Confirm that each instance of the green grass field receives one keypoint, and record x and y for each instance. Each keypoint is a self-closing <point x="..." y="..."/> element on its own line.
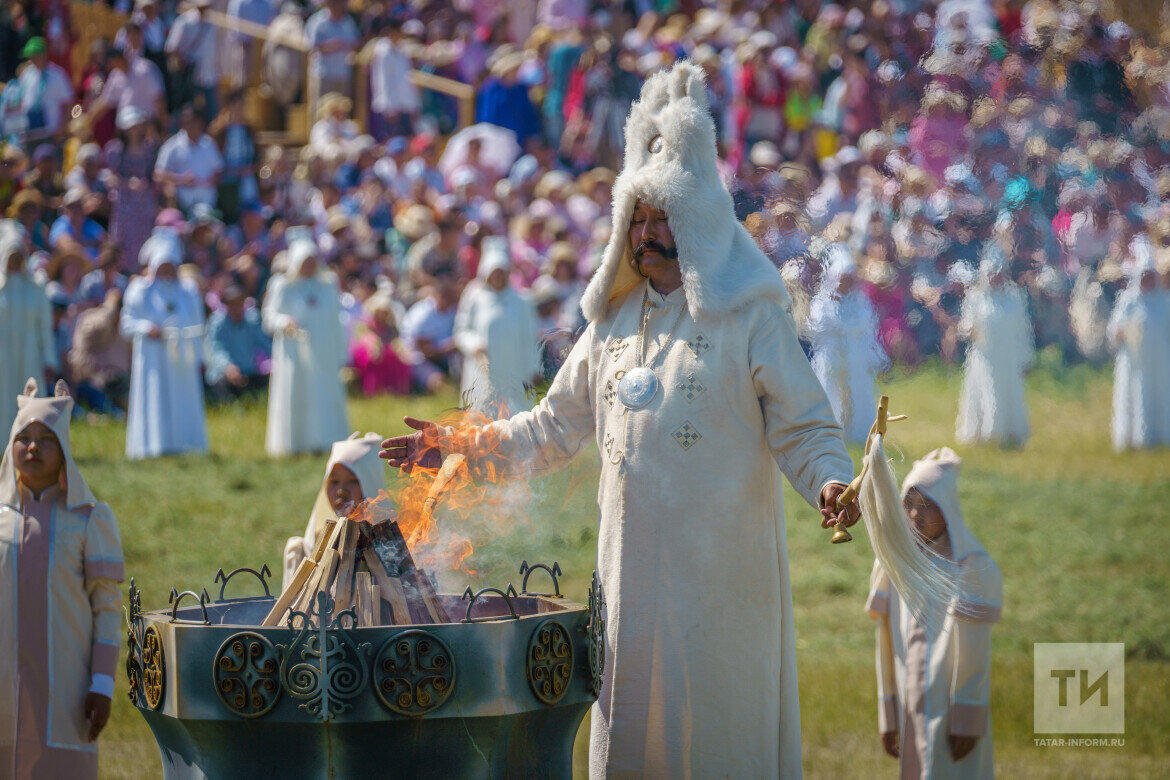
<point x="1079" y="532"/>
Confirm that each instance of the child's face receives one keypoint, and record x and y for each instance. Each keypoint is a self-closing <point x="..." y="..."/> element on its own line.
<point x="343" y="489"/>
<point x="38" y="456"/>
<point x="924" y="515"/>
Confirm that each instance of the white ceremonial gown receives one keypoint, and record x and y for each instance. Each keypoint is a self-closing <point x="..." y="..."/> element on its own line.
<point x="1139" y="330"/>
<point x="992" y="406"/>
<point x="166" y="414"/>
<point x="691" y="549"/>
<point x="935" y="683"/>
<point x="846" y="357"/>
<point x="496" y="332"/>
<point x="306" y="399"/>
<point x="26" y="337"/>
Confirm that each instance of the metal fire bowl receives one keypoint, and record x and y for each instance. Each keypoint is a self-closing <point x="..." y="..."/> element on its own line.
<point x="501" y="694"/>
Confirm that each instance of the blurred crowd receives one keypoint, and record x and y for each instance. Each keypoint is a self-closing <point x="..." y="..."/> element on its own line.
<point x="921" y="137"/>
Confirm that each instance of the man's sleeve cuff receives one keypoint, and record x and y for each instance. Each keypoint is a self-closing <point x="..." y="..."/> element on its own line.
<point x="102" y="684"/>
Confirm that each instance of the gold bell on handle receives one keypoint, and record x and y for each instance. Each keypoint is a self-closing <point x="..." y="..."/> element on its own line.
<point x="849" y="494"/>
<point x="842" y="534"/>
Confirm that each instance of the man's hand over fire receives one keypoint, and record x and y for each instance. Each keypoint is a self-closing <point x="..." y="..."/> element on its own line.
<point x="406" y="452"/>
<point x="829" y="511"/>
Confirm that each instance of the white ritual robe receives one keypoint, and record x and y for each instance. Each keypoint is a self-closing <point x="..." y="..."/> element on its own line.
<point x="26" y="339"/>
<point x="306" y="399"/>
<point x="991" y="405"/>
<point x="932" y="684"/>
<point x="691" y="547"/>
<point x="1139" y="330"/>
<point x="846" y="357"/>
<point x="166" y="414"/>
<point x="496" y="332"/>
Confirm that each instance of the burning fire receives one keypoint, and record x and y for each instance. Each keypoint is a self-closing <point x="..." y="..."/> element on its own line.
<point x="460" y="493"/>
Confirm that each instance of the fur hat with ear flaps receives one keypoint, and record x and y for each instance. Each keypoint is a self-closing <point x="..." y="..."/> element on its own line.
<point x="671" y="165"/>
<point x="54" y="412"/>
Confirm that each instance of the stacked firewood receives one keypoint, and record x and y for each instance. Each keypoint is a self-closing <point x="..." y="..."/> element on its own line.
<point x="365" y="567"/>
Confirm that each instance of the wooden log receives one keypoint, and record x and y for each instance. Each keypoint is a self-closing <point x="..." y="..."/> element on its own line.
<point x="374" y="599"/>
<point x="430" y="597"/>
<point x="390" y="587"/>
<point x="323" y="540"/>
<point x="364" y="610"/>
<point x="299" y="578"/>
<point x="343" y="584"/>
<point x="304" y="601"/>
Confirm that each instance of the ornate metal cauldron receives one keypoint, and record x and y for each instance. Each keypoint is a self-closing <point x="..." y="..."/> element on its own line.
<point x="501" y="693"/>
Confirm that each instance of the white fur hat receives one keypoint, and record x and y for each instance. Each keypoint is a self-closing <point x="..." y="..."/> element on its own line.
<point x="671" y="164"/>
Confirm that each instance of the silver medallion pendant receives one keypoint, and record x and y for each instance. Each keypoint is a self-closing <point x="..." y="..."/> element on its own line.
<point x="637" y="387"/>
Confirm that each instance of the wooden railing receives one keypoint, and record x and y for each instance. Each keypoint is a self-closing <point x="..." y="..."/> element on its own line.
<point x="92" y="21"/>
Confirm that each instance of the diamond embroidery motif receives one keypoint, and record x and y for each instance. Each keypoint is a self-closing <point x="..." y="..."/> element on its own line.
<point x="691" y="388"/>
<point x="616" y="348"/>
<point x="699" y="344"/>
<point x="609" y="444"/>
<point x="687" y="435"/>
<point x="610" y="393"/>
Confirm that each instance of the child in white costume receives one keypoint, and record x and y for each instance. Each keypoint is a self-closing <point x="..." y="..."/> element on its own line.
<point x="995" y="323"/>
<point x="352" y="474"/>
<point x="934" y="671"/>
<point x="843" y="329"/>
<point x="1139" y="332"/>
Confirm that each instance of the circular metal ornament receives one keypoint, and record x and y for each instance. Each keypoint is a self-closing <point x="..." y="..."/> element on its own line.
<point x="656" y="144"/>
<point x="637" y="387"/>
<point x="550" y="662"/>
<point x="154" y="668"/>
<point x="414" y="673"/>
<point x="246" y="672"/>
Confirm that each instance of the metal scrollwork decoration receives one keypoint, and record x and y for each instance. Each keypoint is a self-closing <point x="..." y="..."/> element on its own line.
<point x="550" y="662"/>
<point x="507" y="595"/>
<point x="134" y="640"/>
<point x="596" y="630"/>
<point x="246" y="672"/>
<point x="154" y="668"/>
<point x="324" y="666"/>
<point x="554" y="572"/>
<point x="263" y="575"/>
<point x="414" y="673"/>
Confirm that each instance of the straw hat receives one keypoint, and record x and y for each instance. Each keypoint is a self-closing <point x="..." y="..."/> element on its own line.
<point x="24" y="198"/>
<point x="333" y="101"/>
<point x="70" y="252"/>
<point x="415" y="222"/>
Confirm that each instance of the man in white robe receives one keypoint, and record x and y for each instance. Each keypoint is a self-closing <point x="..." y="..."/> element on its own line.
<point x="847" y="355"/>
<point x="691" y="547"/>
<point x="306" y="399"/>
<point x="994" y="321"/>
<point x="163" y="317"/>
<point x="934" y="671"/>
<point x="495" y="329"/>
<point x="1139" y="332"/>
<point x="26" y="322"/>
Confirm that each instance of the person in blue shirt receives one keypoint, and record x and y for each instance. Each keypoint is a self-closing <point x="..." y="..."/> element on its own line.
<point x="75" y="225"/>
<point x="238" y="350"/>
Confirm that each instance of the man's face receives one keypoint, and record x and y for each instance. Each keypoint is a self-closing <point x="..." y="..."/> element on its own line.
<point x="193" y="124"/>
<point x="38" y="456"/>
<point x="343" y="489"/>
<point x="924" y="514"/>
<point x="650" y="239"/>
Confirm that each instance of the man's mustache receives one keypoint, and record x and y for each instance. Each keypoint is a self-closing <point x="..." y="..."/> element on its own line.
<point x="647" y="246"/>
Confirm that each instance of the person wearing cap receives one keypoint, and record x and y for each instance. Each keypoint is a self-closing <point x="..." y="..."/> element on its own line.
<point x="75" y="225"/>
<point x="1139" y="332"/>
<point x="332" y="36"/>
<point x="934" y="671"/>
<point x="27" y="209"/>
<point x="690" y="380"/>
<point x="994" y="321"/>
<point x="306" y="398"/>
<point x="130" y="158"/>
<point x="495" y="329"/>
<point x="189" y="163"/>
<point x="45" y="93"/>
<point x="238" y="351"/>
<point x="26" y="321"/>
<point x="192" y="50"/>
<point x="162" y="315"/>
<point x="60" y="597"/>
<point x="428" y="329"/>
